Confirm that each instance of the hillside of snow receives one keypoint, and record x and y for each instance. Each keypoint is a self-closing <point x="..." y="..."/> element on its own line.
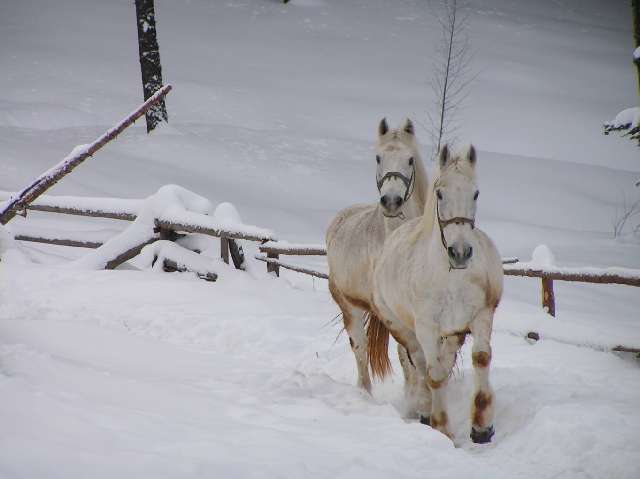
<point x="135" y="373"/>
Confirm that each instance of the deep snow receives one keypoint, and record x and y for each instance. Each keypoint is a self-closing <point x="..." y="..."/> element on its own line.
<point x="142" y="374"/>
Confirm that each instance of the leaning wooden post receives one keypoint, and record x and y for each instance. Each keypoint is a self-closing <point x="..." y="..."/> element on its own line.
<point x="224" y="249"/>
<point x="548" y="297"/>
<point x="49" y="178"/>
<point x="273" y="267"/>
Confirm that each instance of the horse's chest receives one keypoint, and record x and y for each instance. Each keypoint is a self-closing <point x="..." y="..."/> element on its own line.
<point x="455" y="305"/>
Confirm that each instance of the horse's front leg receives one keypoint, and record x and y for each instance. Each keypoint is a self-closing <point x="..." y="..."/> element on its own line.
<point x="417" y="392"/>
<point x="482" y="429"/>
<point x="437" y="374"/>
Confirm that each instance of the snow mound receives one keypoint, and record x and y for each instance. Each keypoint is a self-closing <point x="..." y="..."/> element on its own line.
<point x="542" y="257"/>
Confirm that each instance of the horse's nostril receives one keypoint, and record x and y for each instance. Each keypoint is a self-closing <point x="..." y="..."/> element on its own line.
<point x="384" y="201"/>
<point x="468" y="252"/>
<point x="451" y="252"/>
<point x="397" y="201"/>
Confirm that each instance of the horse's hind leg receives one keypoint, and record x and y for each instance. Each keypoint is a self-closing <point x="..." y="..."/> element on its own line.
<point x="354" y="323"/>
<point x="354" y="319"/>
<point x="482" y="408"/>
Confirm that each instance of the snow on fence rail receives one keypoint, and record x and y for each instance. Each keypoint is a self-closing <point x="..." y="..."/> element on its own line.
<point x="112" y="208"/>
<point x="166" y="215"/>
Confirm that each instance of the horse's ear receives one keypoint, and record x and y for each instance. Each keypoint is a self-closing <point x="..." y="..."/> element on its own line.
<point x="383" y="127"/>
<point x="471" y="155"/>
<point x="407" y="127"/>
<point x="444" y="155"/>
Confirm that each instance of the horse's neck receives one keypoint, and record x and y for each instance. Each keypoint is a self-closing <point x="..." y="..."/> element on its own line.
<point x="429" y="230"/>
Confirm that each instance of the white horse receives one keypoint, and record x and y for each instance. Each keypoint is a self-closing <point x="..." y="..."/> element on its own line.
<point x="439" y="278"/>
<point x="356" y="235"/>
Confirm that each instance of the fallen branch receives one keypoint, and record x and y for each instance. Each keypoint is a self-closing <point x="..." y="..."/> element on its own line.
<point x="77" y="156"/>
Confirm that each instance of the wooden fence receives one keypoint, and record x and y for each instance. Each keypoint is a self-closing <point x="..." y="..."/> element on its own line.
<point x="169" y="229"/>
<point x="173" y="228"/>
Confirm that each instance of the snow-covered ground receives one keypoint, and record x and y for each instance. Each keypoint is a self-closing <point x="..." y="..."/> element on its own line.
<point x="140" y="374"/>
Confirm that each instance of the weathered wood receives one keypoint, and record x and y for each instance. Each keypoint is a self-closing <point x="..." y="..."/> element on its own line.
<point x="187" y="228"/>
<point x="600" y="278"/>
<point x="171" y="266"/>
<point x="625" y="349"/>
<point x="51" y="177"/>
<point x="292" y="250"/>
<point x="548" y="297"/>
<point x="83" y="212"/>
<point x="292" y="267"/>
<point x="273" y="266"/>
<point x="129" y="254"/>
<point x="59" y="241"/>
<point x="224" y="249"/>
<point x="237" y="254"/>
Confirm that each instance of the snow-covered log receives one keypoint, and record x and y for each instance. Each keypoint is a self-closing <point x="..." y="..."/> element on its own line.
<point x="79" y="154"/>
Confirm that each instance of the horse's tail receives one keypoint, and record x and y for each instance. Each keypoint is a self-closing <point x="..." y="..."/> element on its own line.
<point x="378" y="346"/>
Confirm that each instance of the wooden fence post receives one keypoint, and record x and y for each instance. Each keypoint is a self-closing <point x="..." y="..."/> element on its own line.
<point x="237" y="254"/>
<point x="548" y="297"/>
<point x="224" y="249"/>
<point x="273" y="268"/>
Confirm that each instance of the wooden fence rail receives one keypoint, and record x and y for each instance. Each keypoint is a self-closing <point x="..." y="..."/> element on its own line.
<point x="581" y="275"/>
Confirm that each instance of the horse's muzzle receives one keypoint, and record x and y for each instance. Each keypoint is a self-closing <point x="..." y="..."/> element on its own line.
<point x="459" y="256"/>
<point x="391" y="205"/>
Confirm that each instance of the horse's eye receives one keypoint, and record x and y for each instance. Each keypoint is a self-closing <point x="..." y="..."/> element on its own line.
<point x="439" y="194"/>
<point x="378" y="159"/>
<point x="411" y="161"/>
<point x="475" y="197"/>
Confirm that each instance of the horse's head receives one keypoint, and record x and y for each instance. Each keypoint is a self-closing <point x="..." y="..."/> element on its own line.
<point x="456" y="198"/>
<point x="396" y="157"/>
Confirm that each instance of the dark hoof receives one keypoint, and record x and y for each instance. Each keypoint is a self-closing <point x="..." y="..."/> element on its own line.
<point x="426" y="420"/>
<point x="482" y="436"/>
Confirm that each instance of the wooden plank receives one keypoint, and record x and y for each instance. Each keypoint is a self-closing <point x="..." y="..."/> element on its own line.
<point x="600" y="278"/>
<point x="60" y="241"/>
<point x="83" y="212"/>
<point x="224" y="249"/>
<point x="129" y="254"/>
<point x="272" y="248"/>
<point x="292" y="267"/>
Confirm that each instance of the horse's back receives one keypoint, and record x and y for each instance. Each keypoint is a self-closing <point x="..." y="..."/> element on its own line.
<point x="354" y="239"/>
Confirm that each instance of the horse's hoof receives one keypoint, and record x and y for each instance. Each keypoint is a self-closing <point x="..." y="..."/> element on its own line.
<point x="426" y="420"/>
<point x="482" y="435"/>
